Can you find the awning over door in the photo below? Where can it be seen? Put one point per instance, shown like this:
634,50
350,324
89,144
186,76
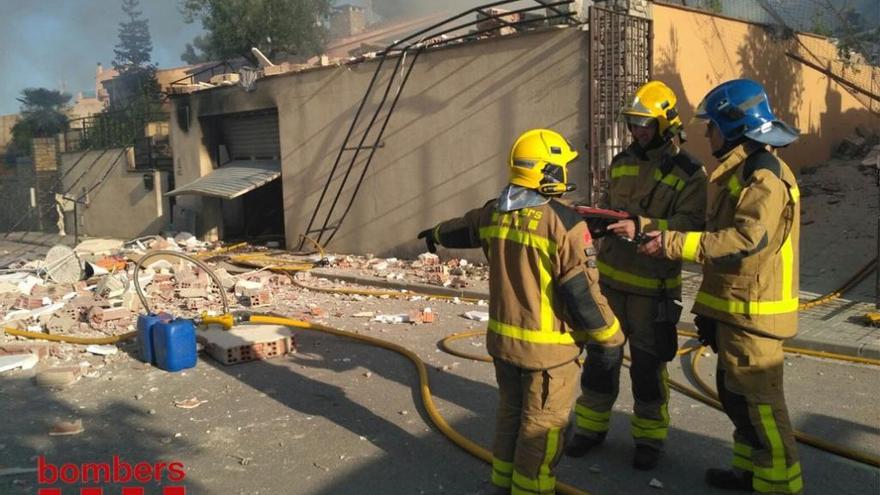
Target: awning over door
232,179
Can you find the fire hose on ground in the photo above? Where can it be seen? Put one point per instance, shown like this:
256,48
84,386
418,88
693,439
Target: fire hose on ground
427,399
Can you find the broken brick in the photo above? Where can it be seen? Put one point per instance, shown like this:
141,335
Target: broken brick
255,297
99,315
428,259
29,302
61,324
41,350
193,292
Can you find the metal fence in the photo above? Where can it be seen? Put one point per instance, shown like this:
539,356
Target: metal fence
851,58
109,129
620,62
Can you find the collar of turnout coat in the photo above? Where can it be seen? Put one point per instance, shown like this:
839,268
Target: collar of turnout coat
516,198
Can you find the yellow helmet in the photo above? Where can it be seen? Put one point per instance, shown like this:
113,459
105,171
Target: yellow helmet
539,160
654,101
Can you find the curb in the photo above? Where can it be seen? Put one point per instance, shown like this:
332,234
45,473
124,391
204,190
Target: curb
408,286
865,350
853,349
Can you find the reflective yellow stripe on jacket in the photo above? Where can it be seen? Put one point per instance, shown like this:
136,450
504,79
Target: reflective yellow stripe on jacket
547,334
545,249
788,304
669,179
637,280
790,299
624,171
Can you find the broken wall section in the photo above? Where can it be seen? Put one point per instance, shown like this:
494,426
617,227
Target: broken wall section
445,148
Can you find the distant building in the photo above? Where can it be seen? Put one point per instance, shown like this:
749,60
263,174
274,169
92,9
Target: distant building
6,123
347,20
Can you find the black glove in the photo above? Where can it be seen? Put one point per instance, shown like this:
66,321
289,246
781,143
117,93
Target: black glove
598,227
428,235
707,331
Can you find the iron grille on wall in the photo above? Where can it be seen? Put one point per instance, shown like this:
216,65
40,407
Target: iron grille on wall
620,62
147,132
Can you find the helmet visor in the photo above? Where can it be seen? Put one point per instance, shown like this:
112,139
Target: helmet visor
638,120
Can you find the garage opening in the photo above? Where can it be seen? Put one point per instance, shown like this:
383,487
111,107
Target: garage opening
247,147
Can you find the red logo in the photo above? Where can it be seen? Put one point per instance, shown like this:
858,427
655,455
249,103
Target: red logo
116,473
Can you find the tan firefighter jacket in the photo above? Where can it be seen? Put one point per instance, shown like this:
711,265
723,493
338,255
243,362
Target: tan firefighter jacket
544,298
749,249
666,189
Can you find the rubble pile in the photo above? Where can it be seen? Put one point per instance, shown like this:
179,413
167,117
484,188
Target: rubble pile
428,269
104,302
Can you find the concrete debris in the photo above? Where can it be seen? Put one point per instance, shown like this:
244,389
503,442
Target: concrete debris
42,350
401,318
425,315
477,315
105,303
187,239
61,324
58,377
247,343
62,428
191,403
98,247
858,145
244,285
193,292
428,259
18,361
102,350
111,286
226,280
99,316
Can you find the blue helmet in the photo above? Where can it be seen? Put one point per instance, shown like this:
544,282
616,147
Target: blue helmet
740,108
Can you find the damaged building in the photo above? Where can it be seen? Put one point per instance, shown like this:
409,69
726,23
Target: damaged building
295,154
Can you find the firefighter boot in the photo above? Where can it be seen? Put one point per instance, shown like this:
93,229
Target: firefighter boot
646,457
729,479
581,444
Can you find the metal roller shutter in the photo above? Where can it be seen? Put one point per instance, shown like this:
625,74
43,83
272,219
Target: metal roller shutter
252,136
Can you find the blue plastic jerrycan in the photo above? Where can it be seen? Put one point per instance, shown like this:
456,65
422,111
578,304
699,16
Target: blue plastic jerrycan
174,344
145,325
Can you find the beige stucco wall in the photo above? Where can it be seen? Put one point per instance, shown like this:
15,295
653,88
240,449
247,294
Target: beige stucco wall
121,206
445,148
694,51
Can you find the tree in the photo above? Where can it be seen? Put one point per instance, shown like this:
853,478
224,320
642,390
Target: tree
42,115
276,27
856,30
136,84
196,52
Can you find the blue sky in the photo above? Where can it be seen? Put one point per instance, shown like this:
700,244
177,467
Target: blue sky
50,43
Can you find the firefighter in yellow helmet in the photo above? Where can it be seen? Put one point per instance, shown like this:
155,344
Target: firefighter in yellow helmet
544,305
748,300
661,187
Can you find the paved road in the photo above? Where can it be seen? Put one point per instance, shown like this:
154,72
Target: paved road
343,418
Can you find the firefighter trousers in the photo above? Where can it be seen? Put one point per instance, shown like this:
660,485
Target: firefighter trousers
651,346
749,381
533,413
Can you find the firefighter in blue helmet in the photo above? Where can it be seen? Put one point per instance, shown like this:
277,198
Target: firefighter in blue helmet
748,301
